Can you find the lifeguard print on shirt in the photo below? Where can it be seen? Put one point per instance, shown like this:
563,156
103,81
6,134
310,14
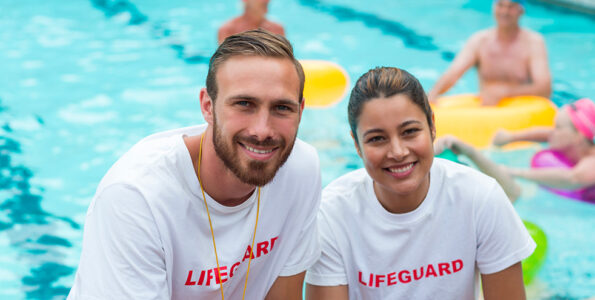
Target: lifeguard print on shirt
406,276
211,276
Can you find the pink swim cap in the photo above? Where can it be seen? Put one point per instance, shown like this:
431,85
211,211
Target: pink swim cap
582,114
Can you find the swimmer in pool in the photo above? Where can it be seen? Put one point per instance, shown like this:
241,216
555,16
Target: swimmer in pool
254,17
510,60
573,136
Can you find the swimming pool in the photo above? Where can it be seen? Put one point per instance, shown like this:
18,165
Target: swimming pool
84,80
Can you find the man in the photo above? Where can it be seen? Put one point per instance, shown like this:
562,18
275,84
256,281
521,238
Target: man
254,17
511,61
217,210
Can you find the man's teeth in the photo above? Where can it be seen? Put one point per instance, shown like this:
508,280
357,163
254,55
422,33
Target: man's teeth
258,151
401,170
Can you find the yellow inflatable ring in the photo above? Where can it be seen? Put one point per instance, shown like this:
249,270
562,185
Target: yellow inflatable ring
532,264
326,83
464,117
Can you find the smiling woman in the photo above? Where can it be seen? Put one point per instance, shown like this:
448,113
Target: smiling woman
381,225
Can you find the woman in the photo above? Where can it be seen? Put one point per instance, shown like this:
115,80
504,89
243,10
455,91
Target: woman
409,226
573,137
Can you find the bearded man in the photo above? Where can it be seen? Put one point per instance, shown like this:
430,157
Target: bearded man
225,209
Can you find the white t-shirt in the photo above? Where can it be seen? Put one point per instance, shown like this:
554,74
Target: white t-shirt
465,225
147,234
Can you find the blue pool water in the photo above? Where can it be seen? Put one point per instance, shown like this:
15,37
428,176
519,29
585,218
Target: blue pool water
83,80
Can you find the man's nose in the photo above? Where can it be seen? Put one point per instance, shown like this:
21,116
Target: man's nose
261,126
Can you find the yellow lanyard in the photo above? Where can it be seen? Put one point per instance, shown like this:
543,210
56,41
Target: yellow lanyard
213,233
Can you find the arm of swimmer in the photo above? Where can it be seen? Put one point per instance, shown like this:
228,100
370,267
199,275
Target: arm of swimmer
580,176
534,134
485,165
506,284
462,62
316,292
287,288
541,81
488,167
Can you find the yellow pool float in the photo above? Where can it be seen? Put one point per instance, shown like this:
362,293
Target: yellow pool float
326,83
464,117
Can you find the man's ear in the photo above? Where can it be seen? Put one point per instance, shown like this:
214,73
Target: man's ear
433,128
302,106
359,152
206,106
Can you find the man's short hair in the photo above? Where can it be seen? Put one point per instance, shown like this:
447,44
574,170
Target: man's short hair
252,43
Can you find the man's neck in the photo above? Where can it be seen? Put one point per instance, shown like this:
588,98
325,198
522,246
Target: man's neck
508,33
254,20
217,180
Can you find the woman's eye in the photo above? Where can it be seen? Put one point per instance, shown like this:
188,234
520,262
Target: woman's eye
411,131
374,139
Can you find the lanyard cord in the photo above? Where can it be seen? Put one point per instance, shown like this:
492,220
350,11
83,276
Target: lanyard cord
213,233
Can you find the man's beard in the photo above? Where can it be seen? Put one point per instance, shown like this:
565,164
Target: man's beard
256,173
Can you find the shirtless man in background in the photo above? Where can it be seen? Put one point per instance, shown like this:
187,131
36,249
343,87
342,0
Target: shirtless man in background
511,61
254,17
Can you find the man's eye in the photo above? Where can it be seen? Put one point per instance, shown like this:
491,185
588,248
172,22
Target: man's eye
283,108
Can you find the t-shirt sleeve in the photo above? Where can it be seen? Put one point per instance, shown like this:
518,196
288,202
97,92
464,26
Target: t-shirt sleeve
329,270
502,239
122,255
307,248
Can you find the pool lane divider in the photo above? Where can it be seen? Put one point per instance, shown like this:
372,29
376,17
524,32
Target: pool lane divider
21,208
112,8
410,37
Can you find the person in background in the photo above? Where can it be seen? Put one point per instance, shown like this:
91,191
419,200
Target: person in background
254,17
223,210
573,137
408,225
510,60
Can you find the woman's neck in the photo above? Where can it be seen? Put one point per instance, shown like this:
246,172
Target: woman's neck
400,203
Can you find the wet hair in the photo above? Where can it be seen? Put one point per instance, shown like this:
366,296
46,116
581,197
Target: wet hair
385,82
257,42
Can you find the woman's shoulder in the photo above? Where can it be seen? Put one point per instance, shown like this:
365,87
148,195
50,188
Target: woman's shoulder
346,184
346,190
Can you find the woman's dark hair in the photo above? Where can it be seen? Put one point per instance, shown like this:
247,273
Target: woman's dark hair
385,82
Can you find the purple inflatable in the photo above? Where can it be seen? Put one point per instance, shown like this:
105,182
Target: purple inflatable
554,159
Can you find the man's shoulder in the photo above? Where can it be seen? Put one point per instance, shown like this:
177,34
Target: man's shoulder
302,168
230,27
274,27
532,36
303,157
156,151
483,34
480,39
302,149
